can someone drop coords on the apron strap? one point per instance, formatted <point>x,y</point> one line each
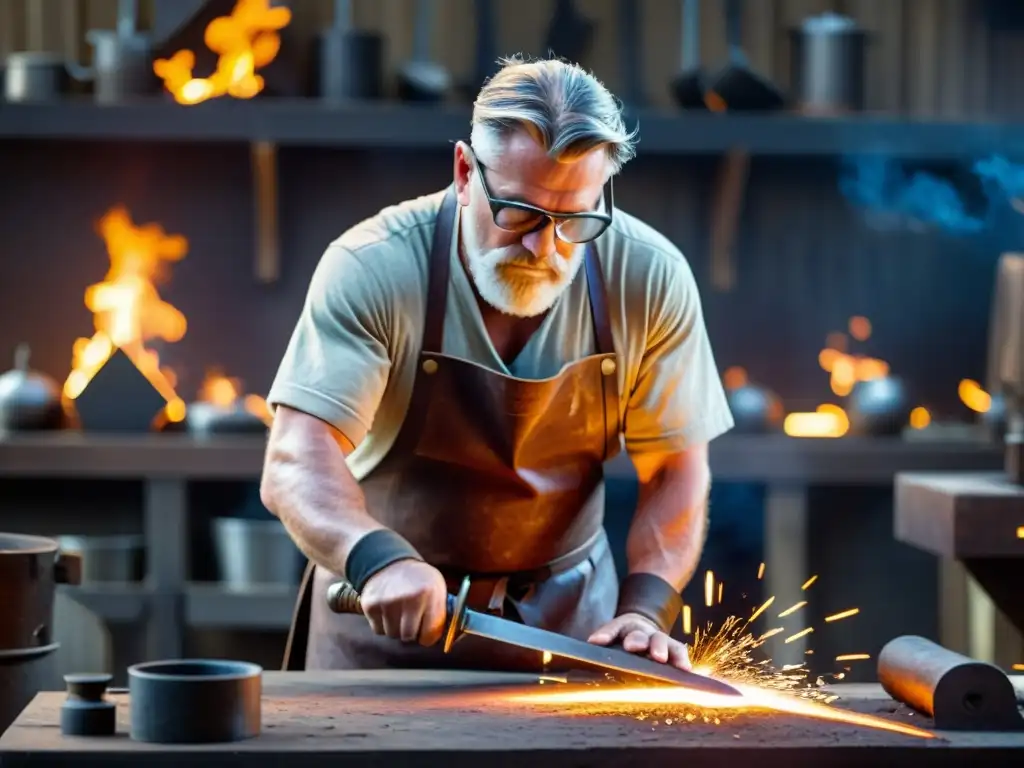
<point>598,294</point>
<point>298,634</point>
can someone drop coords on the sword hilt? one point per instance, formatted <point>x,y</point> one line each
<point>343,598</point>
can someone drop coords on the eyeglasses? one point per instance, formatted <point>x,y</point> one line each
<point>523,218</point>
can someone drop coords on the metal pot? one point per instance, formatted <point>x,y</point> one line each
<point>35,76</point>
<point>251,552</point>
<point>29,400</point>
<point>827,54</point>
<point>30,569</point>
<point>107,559</point>
<point>204,419</point>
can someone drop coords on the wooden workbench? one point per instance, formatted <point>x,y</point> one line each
<point>458,719</point>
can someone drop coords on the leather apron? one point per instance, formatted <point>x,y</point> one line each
<point>492,476</point>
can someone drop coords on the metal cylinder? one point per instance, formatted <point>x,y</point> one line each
<point>108,559</point>
<point>827,63</point>
<point>351,66</point>
<point>255,552</point>
<point>959,693</point>
<point>200,701</point>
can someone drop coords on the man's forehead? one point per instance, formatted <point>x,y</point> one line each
<point>522,162</point>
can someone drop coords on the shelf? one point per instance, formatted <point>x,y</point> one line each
<point>734,458</point>
<point>216,606</point>
<point>308,122</point>
<point>119,603</point>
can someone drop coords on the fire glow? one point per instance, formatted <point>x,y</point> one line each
<point>244,42</point>
<point>226,392</point>
<point>727,654</point>
<point>845,371</point>
<point>127,309</point>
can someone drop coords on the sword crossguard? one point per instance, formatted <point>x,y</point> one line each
<point>343,598</point>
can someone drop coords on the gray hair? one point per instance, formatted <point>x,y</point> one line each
<point>567,110</point>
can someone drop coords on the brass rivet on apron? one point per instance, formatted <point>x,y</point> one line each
<point>430,366</point>
<point>607,367</point>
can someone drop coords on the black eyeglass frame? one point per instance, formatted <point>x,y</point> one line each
<point>496,204</point>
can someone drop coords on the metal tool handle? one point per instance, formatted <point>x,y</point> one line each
<point>343,598</point>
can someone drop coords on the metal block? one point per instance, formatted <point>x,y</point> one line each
<point>959,693</point>
<point>960,515</point>
<point>119,399</point>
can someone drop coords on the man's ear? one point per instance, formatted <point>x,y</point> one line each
<point>461,171</point>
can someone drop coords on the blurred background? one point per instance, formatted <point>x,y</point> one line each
<point>840,175</point>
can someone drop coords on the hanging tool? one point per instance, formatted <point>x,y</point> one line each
<point>460,620</point>
<point>420,79</point>
<point>690,85</point>
<point>570,33</point>
<point>268,247</point>
<point>736,84</point>
<point>630,49</point>
<point>351,62</point>
<point>485,56</point>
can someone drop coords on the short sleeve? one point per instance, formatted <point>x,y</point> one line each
<point>337,362</point>
<point>678,399</point>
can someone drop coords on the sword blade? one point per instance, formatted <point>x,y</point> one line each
<point>610,659</point>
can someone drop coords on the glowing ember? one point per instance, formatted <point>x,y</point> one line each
<point>808,583</point>
<point>760,572</point>
<point>223,392</point>
<point>709,588</point>
<point>974,397</point>
<point>828,421</point>
<point>245,41</point>
<point>1020,532</point>
<point>920,418</point>
<point>854,657</point>
<point>128,311</point>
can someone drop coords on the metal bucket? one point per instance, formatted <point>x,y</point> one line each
<point>252,552</point>
<point>106,559</point>
<point>30,568</point>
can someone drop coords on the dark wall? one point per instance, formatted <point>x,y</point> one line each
<point>806,259</point>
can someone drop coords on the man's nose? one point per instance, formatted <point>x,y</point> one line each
<point>542,243</point>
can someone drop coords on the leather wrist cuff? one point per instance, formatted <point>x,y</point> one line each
<point>375,552</point>
<point>650,596</point>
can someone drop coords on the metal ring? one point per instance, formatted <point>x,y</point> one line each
<point>458,616</point>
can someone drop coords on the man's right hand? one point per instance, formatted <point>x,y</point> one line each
<point>406,601</point>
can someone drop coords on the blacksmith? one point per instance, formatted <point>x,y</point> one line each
<point>463,366</point>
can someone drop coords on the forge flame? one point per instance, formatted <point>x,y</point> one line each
<point>244,42</point>
<point>127,309</point>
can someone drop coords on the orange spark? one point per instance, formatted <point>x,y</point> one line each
<point>792,609</point>
<point>799,634</point>
<point>709,589</point>
<point>762,609</point>
<point>760,572</point>
<point>842,615</point>
<point>854,657</point>
<point>687,626</point>
<point>809,582</point>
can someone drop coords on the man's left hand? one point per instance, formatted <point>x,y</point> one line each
<point>638,634</point>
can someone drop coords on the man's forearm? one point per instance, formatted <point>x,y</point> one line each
<point>666,537</point>
<point>308,486</point>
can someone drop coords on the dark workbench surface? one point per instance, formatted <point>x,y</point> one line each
<point>458,719</point>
